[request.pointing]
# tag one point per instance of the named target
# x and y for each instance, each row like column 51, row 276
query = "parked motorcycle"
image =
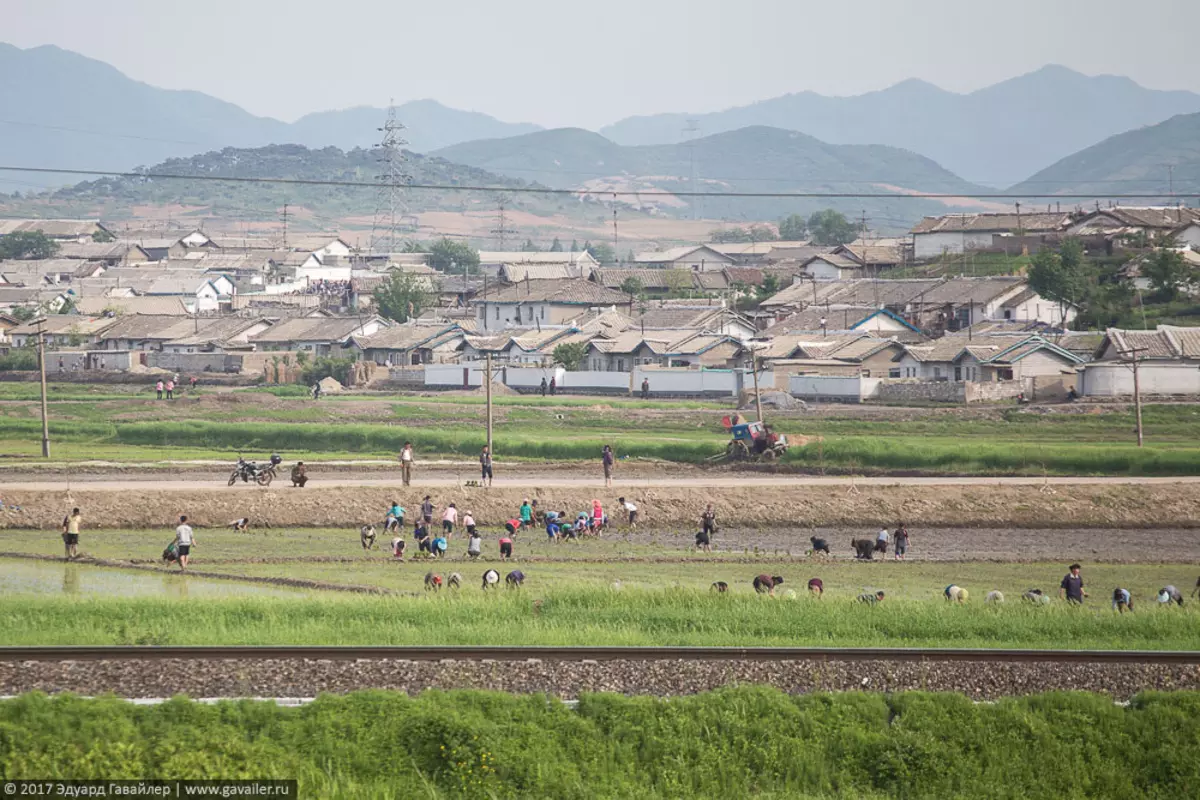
column 251, row 471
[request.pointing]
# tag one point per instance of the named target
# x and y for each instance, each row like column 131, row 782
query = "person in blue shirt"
column 1121, row 600
column 395, row 517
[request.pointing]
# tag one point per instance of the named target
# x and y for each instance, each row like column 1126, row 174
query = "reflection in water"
column 18, row 576
column 70, row 582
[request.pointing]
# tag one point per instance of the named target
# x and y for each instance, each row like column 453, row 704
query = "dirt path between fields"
column 787, row 504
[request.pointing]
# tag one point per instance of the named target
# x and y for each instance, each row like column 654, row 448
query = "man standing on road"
column 544, row 386
column 1072, row 586
column 70, row 525
column 485, row 461
column 553, row 385
column 606, row 457
column 406, row 463
column 184, row 539
column 645, row 388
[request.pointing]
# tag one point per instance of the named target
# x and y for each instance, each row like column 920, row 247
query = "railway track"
column 593, row 654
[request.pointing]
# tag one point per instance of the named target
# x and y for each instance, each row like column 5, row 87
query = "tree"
column 793, row 228
column 27, row 244
column 829, row 228
column 753, row 233
column 456, row 257
column 571, row 354
column 632, row 286
column 1168, row 272
column 402, row 296
column 574, row 246
column 23, row 313
column 556, row 246
column 1062, row 275
column 602, row 252
column 769, row 287
column 529, row 247
column 104, row 237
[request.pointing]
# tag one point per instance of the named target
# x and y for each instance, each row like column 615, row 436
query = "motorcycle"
column 251, row 471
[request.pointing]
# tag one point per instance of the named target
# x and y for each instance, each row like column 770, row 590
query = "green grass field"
column 126, row 424
column 732, row 743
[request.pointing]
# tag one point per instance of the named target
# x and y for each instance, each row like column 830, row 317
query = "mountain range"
column 1157, row 159
column 1045, row 131
column 752, row 159
column 997, row 136
column 61, row 109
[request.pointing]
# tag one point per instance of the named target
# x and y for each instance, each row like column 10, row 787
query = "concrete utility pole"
column 40, row 321
column 488, row 393
column 1137, row 388
column 757, row 398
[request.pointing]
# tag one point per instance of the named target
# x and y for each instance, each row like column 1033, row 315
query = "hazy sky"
column 565, row 62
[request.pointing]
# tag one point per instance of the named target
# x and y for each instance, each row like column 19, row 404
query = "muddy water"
column 48, row 578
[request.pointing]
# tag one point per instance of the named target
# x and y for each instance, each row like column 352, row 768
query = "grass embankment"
column 592, row 617
column 730, row 743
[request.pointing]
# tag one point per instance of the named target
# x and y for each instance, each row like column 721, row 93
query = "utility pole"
column 1137, row 387
column 40, row 321
column 757, row 398
column 489, row 403
column 285, row 220
column 616, row 239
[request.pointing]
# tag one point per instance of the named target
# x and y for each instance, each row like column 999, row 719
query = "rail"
column 472, row 653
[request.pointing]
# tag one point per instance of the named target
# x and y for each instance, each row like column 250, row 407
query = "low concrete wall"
column 997, row 390
column 924, row 391
column 1115, row 379
column 833, row 388
column 190, row 363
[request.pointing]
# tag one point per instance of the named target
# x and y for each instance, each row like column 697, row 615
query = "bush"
column 19, row 359
column 731, row 743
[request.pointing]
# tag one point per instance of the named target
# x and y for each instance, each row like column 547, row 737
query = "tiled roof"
column 553, row 271
column 170, row 306
column 575, row 291
column 871, row 255
column 65, row 323
column 310, row 329
column 656, row 279
column 1160, row 217
column 998, row 223
column 97, row 250
column 216, row 330
column 149, row 326
column 677, row 253
column 517, row 257
column 62, row 228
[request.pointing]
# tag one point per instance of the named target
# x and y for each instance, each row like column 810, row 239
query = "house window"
column 894, row 373
column 958, row 373
column 1004, row 374
column 543, row 312
column 937, row 372
column 620, row 365
column 497, row 312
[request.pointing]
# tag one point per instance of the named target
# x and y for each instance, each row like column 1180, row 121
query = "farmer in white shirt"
column 631, row 508
column 881, row 540
column 184, row 539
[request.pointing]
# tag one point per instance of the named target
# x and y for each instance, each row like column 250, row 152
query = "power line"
column 450, row 187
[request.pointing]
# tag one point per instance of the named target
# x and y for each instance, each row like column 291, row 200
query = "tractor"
column 752, row 441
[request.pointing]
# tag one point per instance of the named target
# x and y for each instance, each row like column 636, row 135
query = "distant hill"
column 113, row 198
column 61, row 109
column 754, row 159
column 1132, row 162
column 997, row 135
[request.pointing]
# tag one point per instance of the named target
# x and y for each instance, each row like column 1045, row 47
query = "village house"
column 215, row 335
column 874, row 258
column 649, row 282
column 848, row 354
column 754, row 254
column 321, row 336
column 984, row 359
column 61, row 230
column 117, row 306
column 958, row 233
column 832, row 267
column 1134, row 221
column 545, row 303
column 112, row 254
column 62, row 331
column 666, row 348
column 577, row 265
column 412, row 344
column 696, row 258
column 1168, row 363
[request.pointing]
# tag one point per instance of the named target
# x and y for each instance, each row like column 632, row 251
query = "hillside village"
column 838, row 323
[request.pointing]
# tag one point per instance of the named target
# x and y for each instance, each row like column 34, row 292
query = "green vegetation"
column 601, row 616
column 731, row 743
column 27, row 244
column 830, row 227
column 403, row 296
column 571, row 354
